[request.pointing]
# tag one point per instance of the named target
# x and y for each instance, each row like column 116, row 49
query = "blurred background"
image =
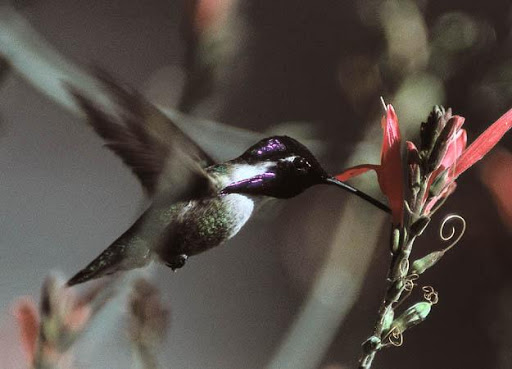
column 300, row 286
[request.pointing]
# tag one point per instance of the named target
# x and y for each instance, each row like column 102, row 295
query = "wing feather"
column 163, row 158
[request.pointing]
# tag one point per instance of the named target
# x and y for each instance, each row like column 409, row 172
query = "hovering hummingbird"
column 196, row 204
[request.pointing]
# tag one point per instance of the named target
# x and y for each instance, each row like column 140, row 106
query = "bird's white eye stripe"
column 290, row 158
column 244, row 171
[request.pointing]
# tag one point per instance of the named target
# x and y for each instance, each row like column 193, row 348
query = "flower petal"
column 390, row 172
column 77, row 318
column 484, row 143
column 355, row 171
column 455, row 149
column 443, row 141
column 447, row 191
column 412, row 153
column 391, row 132
column 27, row 316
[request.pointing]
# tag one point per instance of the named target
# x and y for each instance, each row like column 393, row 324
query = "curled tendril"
column 451, row 235
column 409, row 282
column 408, row 287
column 404, row 266
column 430, row 295
column 395, row 337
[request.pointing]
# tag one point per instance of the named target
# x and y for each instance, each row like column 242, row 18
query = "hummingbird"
column 197, row 204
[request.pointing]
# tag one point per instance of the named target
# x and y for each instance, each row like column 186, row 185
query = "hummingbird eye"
column 301, row 164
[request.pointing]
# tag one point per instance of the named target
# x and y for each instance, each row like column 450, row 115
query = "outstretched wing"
column 162, row 157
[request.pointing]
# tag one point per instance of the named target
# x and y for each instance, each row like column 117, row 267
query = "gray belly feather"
column 198, row 225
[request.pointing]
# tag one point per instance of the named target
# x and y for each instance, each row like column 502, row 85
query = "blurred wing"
column 162, row 157
column 29, row 55
column 34, row 59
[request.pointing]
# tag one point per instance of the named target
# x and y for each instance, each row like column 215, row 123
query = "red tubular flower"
column 483, row 144
column 455, row 148
column 443, row 158
column 389, row 172
column 443, row 173
column 458, row 158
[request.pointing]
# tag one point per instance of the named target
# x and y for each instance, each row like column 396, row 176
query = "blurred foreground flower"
column 208, row 32
column 148, row 321
column 496, row 174
column 47, row 334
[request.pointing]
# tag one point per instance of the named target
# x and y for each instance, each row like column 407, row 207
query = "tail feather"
column 117, row 257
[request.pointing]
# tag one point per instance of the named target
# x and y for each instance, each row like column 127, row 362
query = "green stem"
column 396, row 275
column 398, row 271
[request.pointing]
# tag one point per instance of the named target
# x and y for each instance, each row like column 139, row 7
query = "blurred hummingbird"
column 196, row 204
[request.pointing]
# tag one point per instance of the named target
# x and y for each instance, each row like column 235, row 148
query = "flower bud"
column 419, row 266
column 389, row 316
column 441, row 144
column 395, row 241
column 412, row 316
column 371, row 344
column 413, row 156
column 414, row 177
column 431, row 128
column 439, row 183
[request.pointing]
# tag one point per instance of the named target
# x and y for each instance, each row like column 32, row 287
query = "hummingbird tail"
column 120, row 256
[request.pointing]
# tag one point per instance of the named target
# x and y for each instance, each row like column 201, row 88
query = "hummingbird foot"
column 178, row 262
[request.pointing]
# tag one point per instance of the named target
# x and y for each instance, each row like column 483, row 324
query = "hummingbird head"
column 282, row 167
column 286, row 168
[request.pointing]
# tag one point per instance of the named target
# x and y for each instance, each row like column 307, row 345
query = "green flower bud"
column 439, row 184
column 371, row 344
column 389, row 316
column 419, row 266
column 395, row 241
column 412, row 316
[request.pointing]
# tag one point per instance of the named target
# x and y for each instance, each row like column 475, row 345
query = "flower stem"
column 396, row 284
column 397, row 272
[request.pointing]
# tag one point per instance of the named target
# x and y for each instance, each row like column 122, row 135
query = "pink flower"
column 209, row 14
column 441, row 159
column 389, row 172
column 456, row 158
column 26, row 314
column 483, row 144
column 63, row 315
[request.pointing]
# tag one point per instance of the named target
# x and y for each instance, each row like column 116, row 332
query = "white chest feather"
column 241, row 208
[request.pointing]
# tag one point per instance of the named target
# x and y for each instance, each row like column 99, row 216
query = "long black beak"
column 355, row 191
